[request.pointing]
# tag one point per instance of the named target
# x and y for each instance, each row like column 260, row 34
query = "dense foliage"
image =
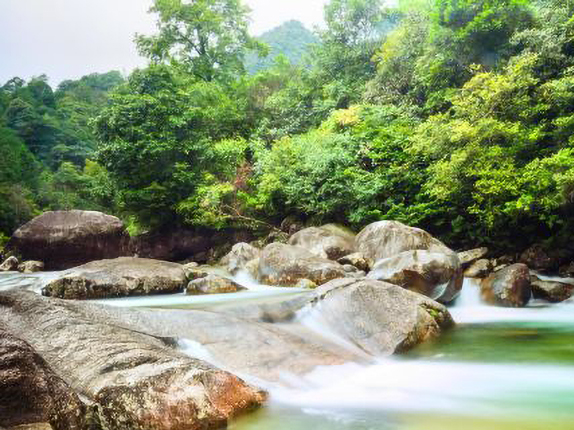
column 47, row 141
column 453, row 115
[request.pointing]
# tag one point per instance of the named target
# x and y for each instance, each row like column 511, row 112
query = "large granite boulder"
column 551, row 291
column 66, row 239
column 433, row 274
column 386, row 239
column 239, row 256
column 31, row 393
column 133, row 379
column 509, row 287
column 213, row 284
column 282, row 264
column 379, row 317
column 329, row 241
column 120, row 277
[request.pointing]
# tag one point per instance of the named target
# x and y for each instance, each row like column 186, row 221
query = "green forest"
column 455, row 116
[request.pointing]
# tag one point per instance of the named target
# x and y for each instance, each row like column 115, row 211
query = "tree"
column 208, row 37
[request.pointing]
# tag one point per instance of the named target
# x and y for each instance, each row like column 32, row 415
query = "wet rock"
column 193, row 271
column 31, row 393
column 386, row 239
column 479, row 269
column 567, row 270
column 239, row 256
column 467, row 258
column 213, row 284
column 433, row 274
column 379, row 317
column 9, row 265
column 31, row 267
column 536, row 258
column 135, row 380
column 358, row 260
column 282, row 264
column 65, row 239
column 329, row 241
column 307, row 284
column 252, row 268
column 551, row 291
column 121, row 277
column 509, row 287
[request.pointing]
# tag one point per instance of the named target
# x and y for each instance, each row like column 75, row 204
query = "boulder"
column 551, row 291
column 178, row 244
column 386, row 239
column 479, row 269
column 358, row 260
column 31, row 393
column 509, row 287
column 282, row 264
column 378, row 317
column 467, row 258
column 239, row 256
column 213, row 284
column 31, row 267
column 536, row 258
column 9, row 265
column 66, row 239
column 121, row 277
column 193, row 272
column 433, row 274
column 329, row 241
column 133, row 379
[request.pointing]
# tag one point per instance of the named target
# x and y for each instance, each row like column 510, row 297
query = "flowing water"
column 499, row 369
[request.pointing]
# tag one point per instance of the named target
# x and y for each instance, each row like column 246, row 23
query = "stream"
column 498, row 369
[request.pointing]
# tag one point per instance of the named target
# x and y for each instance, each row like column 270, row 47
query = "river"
column 498, row 369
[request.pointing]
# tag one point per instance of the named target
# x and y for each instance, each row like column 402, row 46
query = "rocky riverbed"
column 329, row 330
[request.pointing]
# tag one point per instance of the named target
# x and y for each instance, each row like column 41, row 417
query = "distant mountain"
column 291, row 39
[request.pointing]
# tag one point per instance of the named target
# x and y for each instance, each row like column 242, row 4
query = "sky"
column 66, row 39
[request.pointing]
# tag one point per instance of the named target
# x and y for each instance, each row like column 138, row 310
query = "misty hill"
column 291, row 39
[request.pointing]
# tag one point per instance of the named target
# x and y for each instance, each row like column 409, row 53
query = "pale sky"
column 67, row 39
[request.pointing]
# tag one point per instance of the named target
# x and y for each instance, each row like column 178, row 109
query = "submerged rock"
column 239, row 256
column 329, row 241
column 508, row 287
column 282, row 264
column 65, row 239
column 30, row 391
column 386, row 239
column 134, row 380
column 213, row 284
column 9, row 265
column 121, row 277
column 31, row 267
column 435, row 275
column 379, row 317
column 551, row 291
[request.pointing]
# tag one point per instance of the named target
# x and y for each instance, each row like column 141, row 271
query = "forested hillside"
column 47, row 142
column 291, row 40
column 452, row 115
